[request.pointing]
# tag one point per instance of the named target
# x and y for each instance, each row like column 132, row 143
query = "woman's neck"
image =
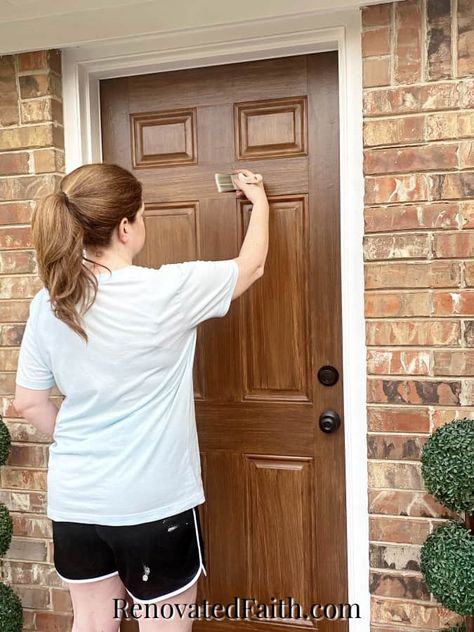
column 112, row 263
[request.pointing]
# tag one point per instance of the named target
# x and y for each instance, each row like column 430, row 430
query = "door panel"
column 274, row 520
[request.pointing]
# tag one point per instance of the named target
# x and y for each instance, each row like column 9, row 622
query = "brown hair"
column 91, row 202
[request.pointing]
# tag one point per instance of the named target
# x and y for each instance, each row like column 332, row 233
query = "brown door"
column 274, row 519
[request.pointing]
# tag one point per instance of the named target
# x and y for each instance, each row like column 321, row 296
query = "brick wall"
column 419, row 221
column 31, row 162
column 418, row 67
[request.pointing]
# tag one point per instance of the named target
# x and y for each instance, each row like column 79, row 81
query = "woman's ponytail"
column 84, row 213
column 59, row 241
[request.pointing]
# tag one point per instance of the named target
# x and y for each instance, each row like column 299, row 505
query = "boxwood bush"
column 11, row 609
column 447, row 563
column 447, row 465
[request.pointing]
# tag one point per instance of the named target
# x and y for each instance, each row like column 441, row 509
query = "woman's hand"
column 252, row 192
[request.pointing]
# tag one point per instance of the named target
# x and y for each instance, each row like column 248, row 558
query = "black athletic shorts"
column 154, row 560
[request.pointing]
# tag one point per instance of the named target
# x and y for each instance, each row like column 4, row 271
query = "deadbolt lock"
column 328, row 375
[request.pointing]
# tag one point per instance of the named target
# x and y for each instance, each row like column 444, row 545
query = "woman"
column 124, row 477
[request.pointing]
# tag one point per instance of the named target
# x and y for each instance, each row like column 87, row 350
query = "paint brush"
column 225, row 183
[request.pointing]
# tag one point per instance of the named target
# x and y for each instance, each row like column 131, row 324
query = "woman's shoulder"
column 167, row 274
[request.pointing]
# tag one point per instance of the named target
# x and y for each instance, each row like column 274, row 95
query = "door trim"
column 302, row 33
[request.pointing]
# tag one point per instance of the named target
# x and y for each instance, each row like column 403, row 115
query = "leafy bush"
column 11, row 610
column 6, row 529
column 447, row 564
column 5, row 442
column 448, row 465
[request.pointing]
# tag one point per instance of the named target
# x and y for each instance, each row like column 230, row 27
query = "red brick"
column 403, row 611
column 27, row 549
column 396, row 246
column 14, row 311
column 8, row 95
column 28, row 456
column 40, row 60
column 28, row 187
column 401, row 188
column 451, row 186
column 376, row 15
column 408, row 159
column 19, row 287
column 403, row 419
column 15, row 213
column 383, row 475
column 468, row 333
column 48, row 160
column 395, row 362
column 419, row 391
column 23, row 432
column 50, row 622
column 447, row 125
column 416, row 98
column 21, row 261
column 465, row 40
column 17, row 237
column 466, row 154
column 11, row 335
column 453, row 363
column 399, row 447
column 466, row 210
column 410, row 274
column 469, row 273
column 30, row 525
column 389, row 628
column 393, row 304
column 403, row 586
column 394, row 131
column 36, row 598
column 459, row 244
column 459, row 303
column 61, row 600
column 23, row 478
column 376, row 71
column 466, row 91
column 14, row 163
column 401, row 530
column 439, row 60
column 407, row 503
column 31, row 136
column 41, row 110
column 435, row 215
column 32, row 574
column 410, row 332
column 442, row 416
column 8, row 358
column 40, row 85
column 7, row 383
column 376, row 42
column 407, row 54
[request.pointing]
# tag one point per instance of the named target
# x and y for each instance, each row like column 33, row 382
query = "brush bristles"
column 224, row 183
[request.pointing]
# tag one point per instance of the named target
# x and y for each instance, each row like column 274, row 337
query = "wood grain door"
column 274, row 520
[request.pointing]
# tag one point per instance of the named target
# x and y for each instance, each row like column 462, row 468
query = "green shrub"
column 6, row 529
column 447, row 565
column 5, row 442
column 11, row 611
column 447, row 465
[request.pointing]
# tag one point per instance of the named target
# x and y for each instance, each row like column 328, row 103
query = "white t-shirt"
column 125, row 447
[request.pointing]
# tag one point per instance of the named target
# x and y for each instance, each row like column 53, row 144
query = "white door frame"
column 302, row 33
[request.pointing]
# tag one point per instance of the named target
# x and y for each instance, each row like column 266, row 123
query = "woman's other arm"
column 36, row 408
